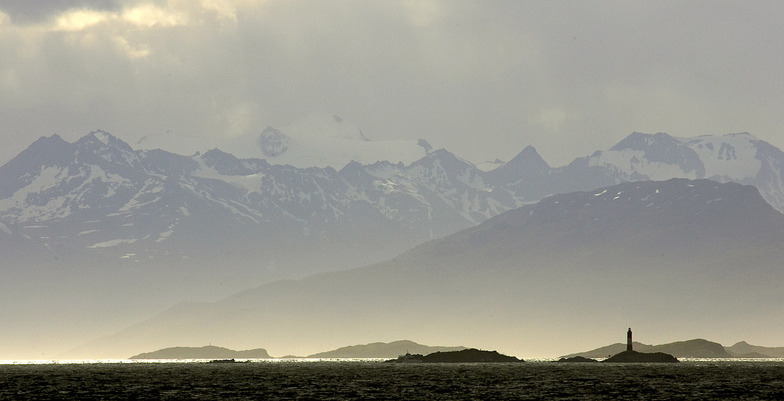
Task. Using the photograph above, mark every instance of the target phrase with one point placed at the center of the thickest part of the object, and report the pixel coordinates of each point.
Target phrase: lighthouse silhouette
(629, 339)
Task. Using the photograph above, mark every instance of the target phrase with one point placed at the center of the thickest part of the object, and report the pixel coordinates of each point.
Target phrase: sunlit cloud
(77, 20)
(148, 15)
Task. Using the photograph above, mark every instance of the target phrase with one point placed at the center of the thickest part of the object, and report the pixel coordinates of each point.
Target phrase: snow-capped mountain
(323, 139)
(739, 158)
(100, 198)
(117, 228)
(318, 140)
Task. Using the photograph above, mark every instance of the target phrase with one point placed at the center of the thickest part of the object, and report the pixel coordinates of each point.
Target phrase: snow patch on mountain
(630, 162)
(250, 182)
(102, 136)
(216, 199)
(26, 204)
(490, 165)
(731, 157)
(322, 140)
(145, 196)
(111, 243)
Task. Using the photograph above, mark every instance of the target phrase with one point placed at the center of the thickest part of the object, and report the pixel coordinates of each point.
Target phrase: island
(632, 356)
(641, 357)
(206, 352)
(577, 359)
(471, 355)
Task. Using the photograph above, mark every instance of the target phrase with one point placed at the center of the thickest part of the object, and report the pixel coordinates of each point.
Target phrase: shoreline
(21, 362)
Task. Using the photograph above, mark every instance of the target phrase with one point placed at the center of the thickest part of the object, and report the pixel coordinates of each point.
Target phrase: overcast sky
(480, 78)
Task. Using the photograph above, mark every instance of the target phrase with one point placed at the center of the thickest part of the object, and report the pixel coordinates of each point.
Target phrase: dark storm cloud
(27, 11)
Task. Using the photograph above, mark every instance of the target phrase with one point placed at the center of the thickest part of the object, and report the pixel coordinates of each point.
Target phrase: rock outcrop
(471, 355)
(641, 357)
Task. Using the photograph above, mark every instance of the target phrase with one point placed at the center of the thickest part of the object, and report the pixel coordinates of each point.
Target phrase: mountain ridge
(96, 216)
(383, 350)
(695, 348)
(565, 274)
(205, 352)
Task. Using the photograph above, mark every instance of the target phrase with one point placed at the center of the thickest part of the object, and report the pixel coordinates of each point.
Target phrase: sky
(482, 79)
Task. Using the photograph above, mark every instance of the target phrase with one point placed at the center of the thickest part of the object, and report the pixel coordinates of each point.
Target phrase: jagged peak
(228, 164)
(351, 166)
(103, 136)
(45, 150)
(441, 152)
(529, 155)
(639, 141)
(49, 140)
(217, 153)
(443, 155)
(103, 139)
(526, 162)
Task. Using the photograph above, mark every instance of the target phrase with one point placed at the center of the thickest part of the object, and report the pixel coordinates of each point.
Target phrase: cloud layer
(481, 79)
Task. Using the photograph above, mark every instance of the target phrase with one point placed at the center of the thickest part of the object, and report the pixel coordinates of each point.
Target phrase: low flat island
(471, 355)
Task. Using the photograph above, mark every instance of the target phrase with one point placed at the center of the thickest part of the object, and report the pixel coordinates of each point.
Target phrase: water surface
(689, 380)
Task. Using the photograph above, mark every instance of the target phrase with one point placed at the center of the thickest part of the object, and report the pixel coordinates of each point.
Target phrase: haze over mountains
(320, 139)
(105, 234)
(663, 256)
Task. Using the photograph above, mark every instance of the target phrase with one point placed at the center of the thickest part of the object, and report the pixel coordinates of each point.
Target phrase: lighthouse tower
(629, 339)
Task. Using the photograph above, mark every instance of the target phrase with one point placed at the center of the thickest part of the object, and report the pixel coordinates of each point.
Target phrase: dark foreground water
(379, 381)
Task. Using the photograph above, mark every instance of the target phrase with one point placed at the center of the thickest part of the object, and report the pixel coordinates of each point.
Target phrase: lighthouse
(629, 339)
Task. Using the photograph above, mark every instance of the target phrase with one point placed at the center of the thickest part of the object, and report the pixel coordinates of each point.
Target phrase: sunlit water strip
(331, 360)
(716, 360)
(148, 361)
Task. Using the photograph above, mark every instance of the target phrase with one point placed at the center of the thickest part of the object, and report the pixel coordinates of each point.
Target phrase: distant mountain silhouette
(142, 229)
(697, 348)
(206, 352)
(577, 359)
(670, 256)
(382, 350)
(744, 349)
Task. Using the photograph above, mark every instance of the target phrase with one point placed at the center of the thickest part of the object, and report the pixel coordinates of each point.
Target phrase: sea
(301, 379)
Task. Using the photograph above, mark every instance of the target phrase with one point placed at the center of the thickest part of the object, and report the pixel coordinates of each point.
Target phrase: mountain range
(106, 233)
(672, 258)
(98, 200)
(206, 352)
(374, 350)
(320, 139)
(697, 348)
